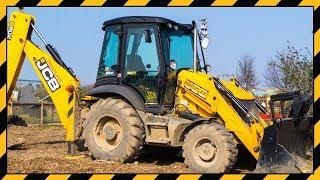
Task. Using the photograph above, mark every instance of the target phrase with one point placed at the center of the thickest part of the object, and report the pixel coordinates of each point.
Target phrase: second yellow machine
(152, 88)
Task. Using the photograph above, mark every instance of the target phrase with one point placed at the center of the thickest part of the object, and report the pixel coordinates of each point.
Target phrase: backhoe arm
(58, 80)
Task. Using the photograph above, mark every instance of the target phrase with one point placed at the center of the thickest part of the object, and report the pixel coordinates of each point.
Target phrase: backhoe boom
(59, 81)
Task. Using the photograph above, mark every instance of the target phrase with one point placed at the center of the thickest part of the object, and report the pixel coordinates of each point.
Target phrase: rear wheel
(113, 131)
(210, 148)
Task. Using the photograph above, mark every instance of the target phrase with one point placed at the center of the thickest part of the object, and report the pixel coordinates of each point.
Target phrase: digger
(153, 88)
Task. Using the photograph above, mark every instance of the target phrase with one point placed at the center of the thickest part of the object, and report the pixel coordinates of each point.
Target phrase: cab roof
(142, 19)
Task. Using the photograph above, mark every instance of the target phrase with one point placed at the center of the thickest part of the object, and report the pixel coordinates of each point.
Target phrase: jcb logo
(10, 30)
(48, 75)
(151, 95)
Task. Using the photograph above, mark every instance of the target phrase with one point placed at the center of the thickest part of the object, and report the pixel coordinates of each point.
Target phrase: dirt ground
(42, 149)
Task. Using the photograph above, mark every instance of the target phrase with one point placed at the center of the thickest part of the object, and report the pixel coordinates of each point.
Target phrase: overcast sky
(76, 33)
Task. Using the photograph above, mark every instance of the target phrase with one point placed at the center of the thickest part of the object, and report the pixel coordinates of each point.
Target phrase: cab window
(109, 53)
(178, 47)
(142, 62)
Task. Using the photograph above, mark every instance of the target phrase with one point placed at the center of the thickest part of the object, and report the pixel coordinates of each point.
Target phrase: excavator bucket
(286, 149)
(287, 145)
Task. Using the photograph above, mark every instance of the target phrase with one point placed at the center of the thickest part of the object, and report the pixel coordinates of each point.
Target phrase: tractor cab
(143, 55)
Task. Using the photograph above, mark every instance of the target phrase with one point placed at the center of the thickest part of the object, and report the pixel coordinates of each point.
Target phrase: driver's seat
(134, 63)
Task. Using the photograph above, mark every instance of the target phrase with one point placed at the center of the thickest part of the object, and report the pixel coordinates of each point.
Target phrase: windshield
(178, 46)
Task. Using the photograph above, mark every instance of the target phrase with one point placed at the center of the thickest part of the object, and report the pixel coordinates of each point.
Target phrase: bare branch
(247, 75)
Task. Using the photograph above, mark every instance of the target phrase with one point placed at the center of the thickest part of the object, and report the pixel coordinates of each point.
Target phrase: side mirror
(147, 36)
(205, 42)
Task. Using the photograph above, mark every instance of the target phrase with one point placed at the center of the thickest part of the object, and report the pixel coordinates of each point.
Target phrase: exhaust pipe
(194, 46)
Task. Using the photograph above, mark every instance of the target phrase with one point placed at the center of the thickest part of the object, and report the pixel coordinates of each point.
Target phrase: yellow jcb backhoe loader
(152, 88)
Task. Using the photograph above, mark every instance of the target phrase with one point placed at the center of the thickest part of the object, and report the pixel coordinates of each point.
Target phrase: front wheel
(210, 148)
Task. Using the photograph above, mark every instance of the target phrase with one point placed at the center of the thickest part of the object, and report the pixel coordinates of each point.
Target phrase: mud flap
(286, 149)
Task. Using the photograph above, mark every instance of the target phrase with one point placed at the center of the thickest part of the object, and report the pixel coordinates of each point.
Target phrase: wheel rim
(108, 132)
(205, 152)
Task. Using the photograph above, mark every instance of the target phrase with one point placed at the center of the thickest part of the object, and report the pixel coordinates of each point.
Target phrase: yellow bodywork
(197, 93)
(59, 83)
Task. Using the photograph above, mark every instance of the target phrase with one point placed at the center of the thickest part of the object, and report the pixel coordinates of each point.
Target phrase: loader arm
(58, 80)
(207, 97)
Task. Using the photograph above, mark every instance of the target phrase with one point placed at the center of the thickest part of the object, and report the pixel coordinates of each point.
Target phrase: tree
(246, 75)
(290, 70)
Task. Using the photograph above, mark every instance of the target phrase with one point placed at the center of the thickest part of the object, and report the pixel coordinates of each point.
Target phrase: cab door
(142, 62)
(109, 59)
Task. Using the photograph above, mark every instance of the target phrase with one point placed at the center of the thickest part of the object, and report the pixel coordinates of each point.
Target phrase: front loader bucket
(287, 149)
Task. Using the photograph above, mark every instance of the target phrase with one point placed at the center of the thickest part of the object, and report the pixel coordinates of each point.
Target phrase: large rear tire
(210, 148)
(113, 131)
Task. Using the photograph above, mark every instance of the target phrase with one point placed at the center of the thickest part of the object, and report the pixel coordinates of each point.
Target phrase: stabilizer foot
(72, 152)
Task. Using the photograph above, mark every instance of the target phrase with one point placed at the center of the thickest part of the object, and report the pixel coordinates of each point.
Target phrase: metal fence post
(41, 118)
(11, 109)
